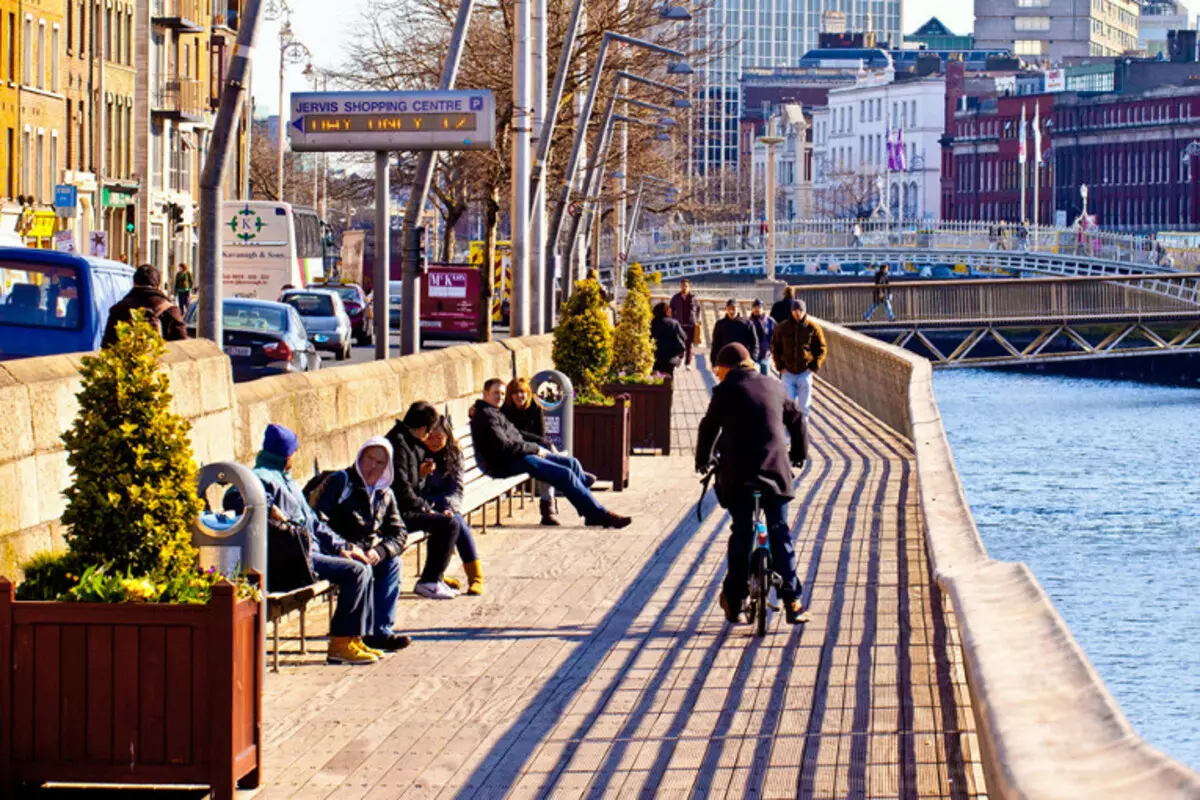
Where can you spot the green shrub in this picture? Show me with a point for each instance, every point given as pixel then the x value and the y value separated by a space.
pixel 48 575
pixel 583 341
pixel 133 498
pixel 633 352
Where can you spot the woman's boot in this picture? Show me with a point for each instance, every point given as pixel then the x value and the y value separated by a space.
pixel 548 518
pixel 474 577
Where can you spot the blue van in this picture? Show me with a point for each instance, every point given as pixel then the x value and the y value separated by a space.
pixel 53 303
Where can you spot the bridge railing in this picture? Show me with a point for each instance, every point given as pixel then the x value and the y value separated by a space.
pixel 687 240
pixel 1035 300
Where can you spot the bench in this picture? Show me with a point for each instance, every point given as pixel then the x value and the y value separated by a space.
pixel 479 491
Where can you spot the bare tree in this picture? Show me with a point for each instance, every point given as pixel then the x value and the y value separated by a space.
pixel 851 194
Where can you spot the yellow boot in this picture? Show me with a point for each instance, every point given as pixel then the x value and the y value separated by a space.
pixel 343 650
pixel 453 583
pixel 474 572
pixel 361 645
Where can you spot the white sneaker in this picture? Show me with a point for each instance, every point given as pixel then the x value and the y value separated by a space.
pixel 435 591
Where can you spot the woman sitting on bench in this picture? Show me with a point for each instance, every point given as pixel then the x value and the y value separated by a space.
pixel 444 490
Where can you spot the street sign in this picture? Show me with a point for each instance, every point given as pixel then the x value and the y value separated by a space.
pixel 573 208
pixel 456 119
pixel 66 197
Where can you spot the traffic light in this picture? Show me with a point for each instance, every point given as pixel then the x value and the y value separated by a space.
pixel 416 244
pixel 130 227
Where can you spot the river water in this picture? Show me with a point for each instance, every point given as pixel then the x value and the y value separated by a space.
pixel 1095 485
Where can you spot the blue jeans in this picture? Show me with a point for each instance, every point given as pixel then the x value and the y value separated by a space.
pixel 352 616
pixel 465 542
pixel 887 304
pixel 799 388
pixel 565 474
pixel 741 543
pixel 386 580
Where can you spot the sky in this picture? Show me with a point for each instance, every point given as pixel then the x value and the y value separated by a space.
pixel 326 36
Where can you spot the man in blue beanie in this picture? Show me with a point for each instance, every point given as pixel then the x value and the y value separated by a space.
pixel 332 559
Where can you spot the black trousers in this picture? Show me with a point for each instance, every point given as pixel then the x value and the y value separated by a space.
pixel 443 535
pixel 741 542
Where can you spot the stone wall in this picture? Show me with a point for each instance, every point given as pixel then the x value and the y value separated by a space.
pixel 333 411
pixel 1048 726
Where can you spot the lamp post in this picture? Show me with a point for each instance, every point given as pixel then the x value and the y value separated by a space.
pixel 320 160
pixel 769 199
pixel 291 51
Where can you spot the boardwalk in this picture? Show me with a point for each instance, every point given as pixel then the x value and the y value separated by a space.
pixel 599 664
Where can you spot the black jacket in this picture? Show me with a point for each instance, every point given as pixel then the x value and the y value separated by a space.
pixel 163 308
pixel 670 342
pixel 781 310
pixel 348 508
pixel 500 448
pixel 530 421
pixel 728 331
pixel 752 417
pixel 407 455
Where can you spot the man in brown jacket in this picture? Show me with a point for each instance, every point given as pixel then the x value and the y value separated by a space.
pixel 798 348
pixel 146 294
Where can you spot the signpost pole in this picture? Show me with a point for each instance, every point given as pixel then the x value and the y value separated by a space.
pixel 537 223
pixel 383 236
pixel 520 212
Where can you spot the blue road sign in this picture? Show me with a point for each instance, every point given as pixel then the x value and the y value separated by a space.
pixel 66 197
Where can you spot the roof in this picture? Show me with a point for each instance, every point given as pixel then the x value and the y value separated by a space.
pixel 934 27
pixel 872 57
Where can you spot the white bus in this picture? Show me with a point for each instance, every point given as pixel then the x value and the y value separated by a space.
pixel 267 245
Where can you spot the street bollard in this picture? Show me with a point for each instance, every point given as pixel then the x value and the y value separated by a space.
pixel 553 391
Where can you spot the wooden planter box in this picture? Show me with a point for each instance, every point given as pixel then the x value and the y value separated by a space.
pixel 602 441
pixel 649 413
pixel 131 693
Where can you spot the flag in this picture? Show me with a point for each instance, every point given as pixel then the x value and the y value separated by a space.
pixel 1037 135
pixel 900 150
pixel 891 152
pixel 1021 139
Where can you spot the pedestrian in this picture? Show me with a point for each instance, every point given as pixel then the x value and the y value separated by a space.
pixel 502 451
pixel 183 287
pixel 359 506
pixel 525 413
pixel 146 295
pixel 411 465
pixel 733 327
pixel 857 234
pixel 882 294
pixel 764 327
pixel 782 309
pixel 762 231
pixel 444 490
pixel 670 340
pixel 798 348
pixel 685 308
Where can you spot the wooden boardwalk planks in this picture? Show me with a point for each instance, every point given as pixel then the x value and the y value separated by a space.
pixel 599 665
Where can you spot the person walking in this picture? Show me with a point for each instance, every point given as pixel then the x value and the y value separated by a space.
pixel 444 490
pixel 782 308
pixel 882 294
pixel 146 295
pixel 764 328
pixel 685 308
pixel 359 506
pixel 758 435
pixel 798 349
pixel 502 451
pixel 410 466
pixel 670 340
pixel 183 287
pixel 526 415
pixel 856 234
pixel 733 327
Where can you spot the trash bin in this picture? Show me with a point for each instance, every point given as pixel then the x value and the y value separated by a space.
pixel 553 391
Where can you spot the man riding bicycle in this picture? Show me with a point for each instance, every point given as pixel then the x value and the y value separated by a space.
pixel 753 418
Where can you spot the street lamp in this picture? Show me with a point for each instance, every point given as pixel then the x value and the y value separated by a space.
pixel 674 13
pixel 291 51
pixel 1083 193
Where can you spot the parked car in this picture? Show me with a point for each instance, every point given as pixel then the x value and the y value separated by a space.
pixel 325 319
pixel 395 288
pixel 262 338
pixel 358 308
pixel 53 302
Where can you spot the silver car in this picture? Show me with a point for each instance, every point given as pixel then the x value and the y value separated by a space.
pixel 325 319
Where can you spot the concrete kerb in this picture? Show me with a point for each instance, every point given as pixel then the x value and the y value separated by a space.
pixel 1047 725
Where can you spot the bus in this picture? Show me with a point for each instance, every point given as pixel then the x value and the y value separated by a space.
pixel 267 245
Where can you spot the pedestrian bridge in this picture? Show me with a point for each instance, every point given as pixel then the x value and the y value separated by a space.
pixel 599 664
pixel 833 246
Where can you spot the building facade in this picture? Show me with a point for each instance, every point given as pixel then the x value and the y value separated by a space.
pixel 793 163
pixel 1156 18
pixel 1048 31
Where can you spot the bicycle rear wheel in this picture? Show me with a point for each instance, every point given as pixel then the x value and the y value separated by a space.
pixel 763 588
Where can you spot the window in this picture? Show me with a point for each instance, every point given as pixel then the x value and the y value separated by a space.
pixel 1032 23
pixel 862 111
pixel 54 176
pixel 120 40
pixel 12 51
pixel 913 113
pixel 82 121
pixel 108 34
pixel 28 52
pixel 70 28
pixel 40 296
pixel 41 56
pixel 1029 47
pixel 39 183
pixel 83 30
pixel 54 59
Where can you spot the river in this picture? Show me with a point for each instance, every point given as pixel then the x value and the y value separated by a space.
pixel 1094 484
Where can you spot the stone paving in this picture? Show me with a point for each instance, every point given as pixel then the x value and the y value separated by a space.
pixel 599 664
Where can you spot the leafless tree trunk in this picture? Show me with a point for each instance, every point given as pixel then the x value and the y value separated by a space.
pixel 488 268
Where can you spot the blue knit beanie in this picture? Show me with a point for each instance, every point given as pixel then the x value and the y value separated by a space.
pixel 279 441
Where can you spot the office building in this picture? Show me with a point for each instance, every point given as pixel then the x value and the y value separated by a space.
pixel 1049 31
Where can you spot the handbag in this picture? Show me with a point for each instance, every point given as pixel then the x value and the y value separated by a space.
pixel 696 335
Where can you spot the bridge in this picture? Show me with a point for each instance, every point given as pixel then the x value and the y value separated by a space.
pixel 998 322
pixel 833 246
pixel 599 665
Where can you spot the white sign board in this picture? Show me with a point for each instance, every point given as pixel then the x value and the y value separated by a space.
pixel 98 246
pixel 1056 80
pixel 457 119
pixel 64 241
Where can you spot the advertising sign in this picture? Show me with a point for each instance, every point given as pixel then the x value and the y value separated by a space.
pixel 450 307
pixel 64 241
pixel 1056 80
pixel 455 119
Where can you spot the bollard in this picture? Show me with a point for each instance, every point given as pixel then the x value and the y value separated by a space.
pixel 553 391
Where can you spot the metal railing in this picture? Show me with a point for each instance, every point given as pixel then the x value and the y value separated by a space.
pixel 188 97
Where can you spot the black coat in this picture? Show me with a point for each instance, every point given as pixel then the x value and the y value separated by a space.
pixel 781 310
pixel 728 331
pixel 753 418
pixel 407 455
pixel 348 508
pixel 500 448
pixel 530 421
pixel 670 342
pixel 146 298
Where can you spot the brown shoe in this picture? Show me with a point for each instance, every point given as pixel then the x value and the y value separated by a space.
pixel 732 616
pixel 796 613
pixel 609 520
